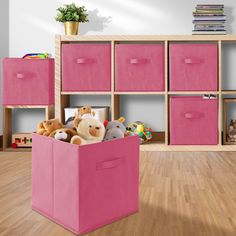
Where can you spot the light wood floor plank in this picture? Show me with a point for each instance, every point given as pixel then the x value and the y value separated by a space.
pixel 181 194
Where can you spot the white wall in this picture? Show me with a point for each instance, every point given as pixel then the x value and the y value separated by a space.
pixel 32 29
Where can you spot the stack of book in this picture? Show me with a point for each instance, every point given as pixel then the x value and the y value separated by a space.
pixel 209 19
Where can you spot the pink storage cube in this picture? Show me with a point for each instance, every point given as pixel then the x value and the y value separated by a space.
pixel 28 81
pixel 85 187
pixel 86 67
pixel 139 67
pixel 193 121
pixel 193 67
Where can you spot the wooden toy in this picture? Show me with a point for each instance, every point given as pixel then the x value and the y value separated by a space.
pixel 22 140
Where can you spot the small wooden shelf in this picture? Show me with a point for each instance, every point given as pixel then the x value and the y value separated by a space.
pixel 182 38
pixel 86 93
pixel 139 93
pixel 229 92
pixel 7 118
pixel 26 107
pixel 192 92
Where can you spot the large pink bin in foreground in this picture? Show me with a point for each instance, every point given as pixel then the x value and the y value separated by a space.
pixel 85 187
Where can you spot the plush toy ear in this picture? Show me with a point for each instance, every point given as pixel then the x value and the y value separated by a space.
pixel 105 123
pixel 121 119
pixel 40 125
pixel 76 121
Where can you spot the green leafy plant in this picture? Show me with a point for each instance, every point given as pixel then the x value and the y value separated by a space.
pixel 71 12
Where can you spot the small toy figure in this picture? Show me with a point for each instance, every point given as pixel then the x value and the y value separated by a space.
pixel 139 128
pixel 231 132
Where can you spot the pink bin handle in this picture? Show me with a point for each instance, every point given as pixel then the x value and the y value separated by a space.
pixel 108 164
pixel 192 115
pixel 138 61
pixel 188 115
pixel 192 60
pixel 19 76
pixel 84 60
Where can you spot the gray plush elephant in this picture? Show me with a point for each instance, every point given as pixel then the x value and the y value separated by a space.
pixel 115 129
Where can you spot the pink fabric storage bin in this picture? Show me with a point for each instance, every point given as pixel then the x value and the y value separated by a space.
pixel 193 67
pixel 193 121
pixel 139 67
pixel 86 67
pixel 28 81
pixel 85 187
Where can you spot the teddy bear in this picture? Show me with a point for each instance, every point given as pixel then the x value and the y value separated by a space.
pixel 48 126
pixel 83 112
pixel 115 129
pixel 89 131
pixel 63 134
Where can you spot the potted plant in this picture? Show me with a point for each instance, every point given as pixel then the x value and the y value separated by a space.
pixel 71 15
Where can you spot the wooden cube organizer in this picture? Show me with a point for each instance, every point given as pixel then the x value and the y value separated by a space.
pixel 62 98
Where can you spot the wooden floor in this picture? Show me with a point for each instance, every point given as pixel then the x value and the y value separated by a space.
pixel 187 194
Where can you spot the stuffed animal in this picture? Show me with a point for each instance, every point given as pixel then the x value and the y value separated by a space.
pixel 83 112
pixel 63 134
pixel 115 129
pixel 231 132
pixel 89 130
pixel 141 130
pixel 48 126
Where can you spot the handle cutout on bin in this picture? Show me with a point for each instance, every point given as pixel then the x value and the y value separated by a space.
pixel 19 76
pixel 83 60
pixel 136 61
pixel 191 60
pixel 192 115
pixel 108 164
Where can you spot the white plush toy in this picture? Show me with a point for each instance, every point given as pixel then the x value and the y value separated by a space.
pixel 89 130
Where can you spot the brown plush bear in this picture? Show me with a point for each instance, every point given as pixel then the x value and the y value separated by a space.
pixel 48 126
pixel 85 112
pixel 89 130
pixel 63 134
